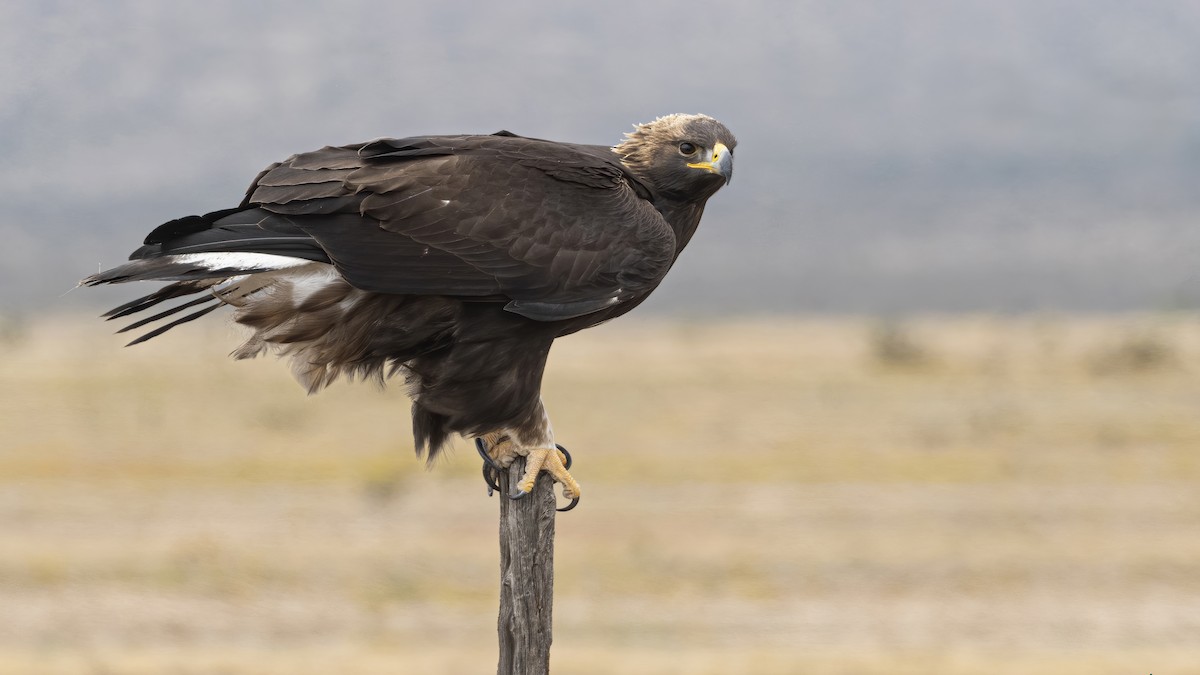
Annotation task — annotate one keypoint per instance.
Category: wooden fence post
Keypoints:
(526, 575)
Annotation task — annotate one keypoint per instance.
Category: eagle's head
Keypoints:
(689, 156)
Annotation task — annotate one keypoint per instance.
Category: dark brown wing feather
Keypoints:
(557, 230)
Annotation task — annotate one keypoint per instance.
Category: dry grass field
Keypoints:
(973, 495)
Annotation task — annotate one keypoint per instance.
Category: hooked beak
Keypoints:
(720, 162)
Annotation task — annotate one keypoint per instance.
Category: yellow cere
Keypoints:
(718, 150)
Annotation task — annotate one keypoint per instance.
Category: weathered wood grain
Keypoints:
(526, 575)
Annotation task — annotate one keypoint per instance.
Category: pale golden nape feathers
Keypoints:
(638, 147)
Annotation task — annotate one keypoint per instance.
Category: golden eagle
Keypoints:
(453, 260)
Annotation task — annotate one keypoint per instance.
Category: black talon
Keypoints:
(566, 465)
(481, 448)
(488, 477)
(491, 470)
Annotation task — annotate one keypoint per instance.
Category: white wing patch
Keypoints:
(241, 261)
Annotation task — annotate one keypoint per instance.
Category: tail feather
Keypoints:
(175, 290)
(240, 257)
(162, 329)
(193, 266)
(166, 313)
(217, 273)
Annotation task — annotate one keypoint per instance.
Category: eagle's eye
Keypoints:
(687, 149)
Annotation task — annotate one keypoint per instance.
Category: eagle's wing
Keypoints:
(556, 231)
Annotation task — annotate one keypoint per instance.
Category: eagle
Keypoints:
(454, 261)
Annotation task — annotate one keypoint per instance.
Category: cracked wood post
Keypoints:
(526, 574)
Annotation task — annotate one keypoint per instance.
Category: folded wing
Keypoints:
(553, 230)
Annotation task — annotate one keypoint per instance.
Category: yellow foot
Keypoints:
(552, 461)
(499, 451)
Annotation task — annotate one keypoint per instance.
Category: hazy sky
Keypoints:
(892, 155)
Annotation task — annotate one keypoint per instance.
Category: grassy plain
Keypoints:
(820, 495)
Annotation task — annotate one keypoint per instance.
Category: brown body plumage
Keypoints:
(453, 260)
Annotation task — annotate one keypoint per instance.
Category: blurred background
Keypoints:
(921, 396)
